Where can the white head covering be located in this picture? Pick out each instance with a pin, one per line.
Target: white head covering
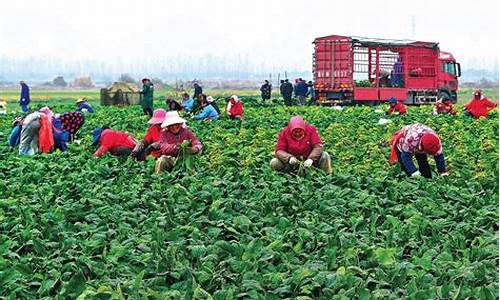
(171, 118)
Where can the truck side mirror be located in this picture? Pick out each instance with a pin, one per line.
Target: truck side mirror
(458, 69)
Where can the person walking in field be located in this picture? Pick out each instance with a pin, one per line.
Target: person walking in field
(117, 143)
(479, 106)
(83, 106)
(150, 144)
(24, 99)
(298, 142)
(234, 108)
(265, 90)
(174, 135)
(444, 106)
(286, 90)
(147, 96)
(395, 106)
(420, 141)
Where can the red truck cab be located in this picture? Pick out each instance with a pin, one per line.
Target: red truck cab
(367, 70)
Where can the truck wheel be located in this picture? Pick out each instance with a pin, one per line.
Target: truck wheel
(445, 94)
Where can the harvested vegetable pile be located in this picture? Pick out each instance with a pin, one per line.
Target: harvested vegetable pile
(108, 228)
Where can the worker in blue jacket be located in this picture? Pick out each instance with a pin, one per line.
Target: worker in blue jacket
(83, 105)
(24, 99)
(208, 112)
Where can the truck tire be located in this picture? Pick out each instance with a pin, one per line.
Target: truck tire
(444, 93)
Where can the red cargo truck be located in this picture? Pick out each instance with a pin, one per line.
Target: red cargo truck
(364, 70)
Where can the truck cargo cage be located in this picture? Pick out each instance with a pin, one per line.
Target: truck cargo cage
(359, 69)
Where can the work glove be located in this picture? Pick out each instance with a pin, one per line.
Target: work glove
(155, 146)
(308, 163)
(416, 174)
(292, 160)
(445, 174)
(192, 150)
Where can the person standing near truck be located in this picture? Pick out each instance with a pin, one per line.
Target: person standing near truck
(147, 96)
(24, 99)
(310, 91)
(286, 90)
(301, 91)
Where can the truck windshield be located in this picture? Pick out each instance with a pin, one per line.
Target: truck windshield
(449, 67)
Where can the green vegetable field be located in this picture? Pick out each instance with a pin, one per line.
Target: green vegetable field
(77, 227)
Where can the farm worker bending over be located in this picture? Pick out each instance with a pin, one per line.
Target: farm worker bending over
(24, 99)
(208, 112)
(212, 102)
(83, 106)
(444, 106)
(15, 133)
(187, 102)
(479, 106)
(72, 122)
(151, 142)
(400, 108)
(172, 104)
(118, 143)
(147, 96)
(36, 126)
(171, 138)
(234, 108)
(300, 141)
(417, 140)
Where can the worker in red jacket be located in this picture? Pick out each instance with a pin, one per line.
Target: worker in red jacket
(234, 108)
(394, 105)
(150, 144)
(444, 106)
(479, 106)
(174, 134)
(297, 142)
(117, 143)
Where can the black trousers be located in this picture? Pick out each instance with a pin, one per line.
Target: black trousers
(423, 164)
(148, 111)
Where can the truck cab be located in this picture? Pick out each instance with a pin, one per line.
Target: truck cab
(449, 71)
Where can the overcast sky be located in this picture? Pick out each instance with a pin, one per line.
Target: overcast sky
(275, 34)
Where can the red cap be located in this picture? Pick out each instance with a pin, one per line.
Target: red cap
(430, 143)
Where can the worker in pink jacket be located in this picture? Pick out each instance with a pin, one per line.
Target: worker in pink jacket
(174, 134)
(297, 142)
